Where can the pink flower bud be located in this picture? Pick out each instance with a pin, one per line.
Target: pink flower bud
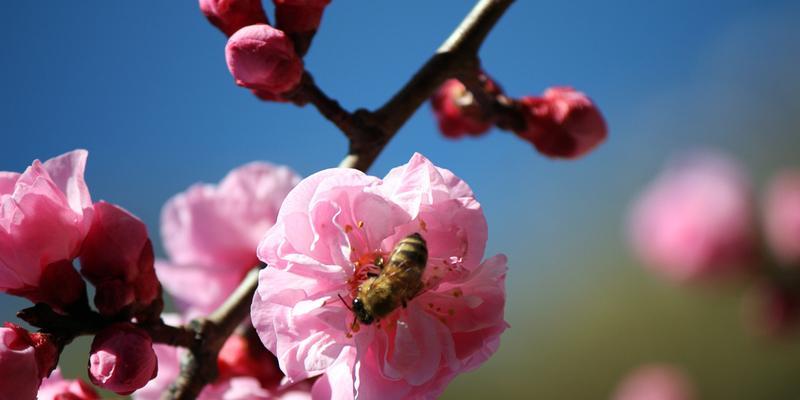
(57, 388)
(655, 382)
(457, 111)
(782, 216)
(296, 16)
(564, 123)
(263, 58)
(695, 221)
(25, 358)
(122, 359)
(45, 213)
(231, 15)
(117, 257)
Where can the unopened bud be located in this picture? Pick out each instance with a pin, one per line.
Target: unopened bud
(231, 15)
(564, 123)
(25, 358)
(457, 111)
(117, 257)
(122, 359)
(262, 58)
(298, 16)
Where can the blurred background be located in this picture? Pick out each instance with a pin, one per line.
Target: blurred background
(144, 87)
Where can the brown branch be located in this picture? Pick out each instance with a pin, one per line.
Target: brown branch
(457, 54)
(199, 364)
(368, 132)
(68, 327)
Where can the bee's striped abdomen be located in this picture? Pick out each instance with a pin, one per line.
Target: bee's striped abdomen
(410, 251)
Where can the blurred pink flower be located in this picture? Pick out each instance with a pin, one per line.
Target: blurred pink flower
(263, 58)
(695, 220)
(57, 388)
(231, 15)
(45, 213)
(211, 232)
(117, 257)
(563, 123)
(782, 216)
(122, 359)
(25, 358)
(330, 230)
(246, 373)
(654, 382)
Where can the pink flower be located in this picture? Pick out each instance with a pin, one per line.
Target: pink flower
(211, 232)
(117, 257)
(263, 58)
(331, 229)
(296, 16)
(45, 213)
(25, 358)
(695, 221)
(563, 123)
(655, 382)
(457, 112)
(246, 373)
(231, 15)
(57, 388)
(782, 216)
(122, 359)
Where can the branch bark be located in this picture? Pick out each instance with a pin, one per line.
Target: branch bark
(369, 132)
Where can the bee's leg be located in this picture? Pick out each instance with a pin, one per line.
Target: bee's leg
(371, 275)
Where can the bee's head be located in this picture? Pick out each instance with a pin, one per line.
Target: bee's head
(361, 314)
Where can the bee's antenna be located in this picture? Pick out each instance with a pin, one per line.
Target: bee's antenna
(344, 302)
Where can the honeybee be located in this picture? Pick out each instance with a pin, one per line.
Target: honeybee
(398, 282)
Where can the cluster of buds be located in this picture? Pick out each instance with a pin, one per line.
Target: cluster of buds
(562, 123)
(263, 58)
(696, 223)
(49, 221)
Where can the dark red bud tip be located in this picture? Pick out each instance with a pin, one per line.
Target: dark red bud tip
(299, 16)
(231, 15)
(61, 285)
(563, 123)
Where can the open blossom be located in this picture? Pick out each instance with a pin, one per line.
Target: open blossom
(331, 229)
(263, 58)
(563, 123)
(122, 359)
(655, 382)
(211, 232)
(695, 220)
(297, 16)
(231, 15)
(782, 216)
(56, 387)
(45, 213)
(457, 111)
(117, 257)
(246, 372)
(25, 358)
